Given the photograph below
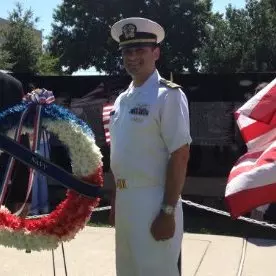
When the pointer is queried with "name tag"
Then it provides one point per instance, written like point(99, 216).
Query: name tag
point(139, 111)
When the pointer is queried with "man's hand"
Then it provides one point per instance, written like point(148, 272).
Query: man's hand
point(163, 227)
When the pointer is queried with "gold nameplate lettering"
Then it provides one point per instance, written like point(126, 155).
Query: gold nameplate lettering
point(121, 184)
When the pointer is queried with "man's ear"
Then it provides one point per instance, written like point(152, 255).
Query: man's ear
point(156, 53)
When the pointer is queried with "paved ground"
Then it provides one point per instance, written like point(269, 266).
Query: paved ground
point(92, 254)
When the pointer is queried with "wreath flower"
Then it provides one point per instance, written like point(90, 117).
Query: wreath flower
point(72, 214)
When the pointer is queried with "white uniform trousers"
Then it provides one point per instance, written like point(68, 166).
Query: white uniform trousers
point(137, 253)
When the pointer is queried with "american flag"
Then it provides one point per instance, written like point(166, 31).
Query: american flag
point(107, 108)
point(252, 180)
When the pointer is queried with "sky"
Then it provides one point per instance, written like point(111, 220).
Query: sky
point(44, 11)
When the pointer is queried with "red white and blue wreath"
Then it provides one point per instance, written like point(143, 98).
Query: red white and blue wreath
point(71, 215)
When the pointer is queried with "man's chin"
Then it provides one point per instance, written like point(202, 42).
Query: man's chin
point(133, 71)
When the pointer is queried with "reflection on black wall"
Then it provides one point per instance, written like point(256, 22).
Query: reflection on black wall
point(212, 102)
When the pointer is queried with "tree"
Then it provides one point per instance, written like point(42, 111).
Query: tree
point(226, 48)
point(263, 33)
point(81, 32)
point(4, 60)
point(48, 65)
point(21, 42)
point(243, 40)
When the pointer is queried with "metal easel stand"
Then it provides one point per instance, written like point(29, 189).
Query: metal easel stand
point(64, 261)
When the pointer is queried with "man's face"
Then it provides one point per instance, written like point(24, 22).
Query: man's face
point(140, 60)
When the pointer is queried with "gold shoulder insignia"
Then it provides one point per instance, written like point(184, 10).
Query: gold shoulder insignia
point(170, 84)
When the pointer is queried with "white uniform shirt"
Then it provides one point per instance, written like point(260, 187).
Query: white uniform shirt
point(147, 124)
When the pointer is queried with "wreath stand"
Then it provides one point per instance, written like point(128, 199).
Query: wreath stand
point(64, 261)
point(45, 149)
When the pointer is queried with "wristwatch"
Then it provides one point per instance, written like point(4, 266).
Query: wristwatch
point(168, 209)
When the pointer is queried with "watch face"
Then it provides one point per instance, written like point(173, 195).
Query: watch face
point(168, 210)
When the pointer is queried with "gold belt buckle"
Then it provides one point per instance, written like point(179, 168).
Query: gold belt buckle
point(121, 184)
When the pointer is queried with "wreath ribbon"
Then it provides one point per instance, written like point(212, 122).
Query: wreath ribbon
point(49, 169)
point(11, 160)
point(38, 98)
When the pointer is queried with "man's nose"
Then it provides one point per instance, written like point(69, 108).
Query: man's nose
point(132, 54)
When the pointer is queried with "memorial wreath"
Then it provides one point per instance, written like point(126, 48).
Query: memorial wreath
point(71, 215)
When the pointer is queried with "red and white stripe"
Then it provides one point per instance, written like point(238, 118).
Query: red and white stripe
point(40, 96)
point(252, 181)
point(35, 146)
point(11, 161)
point(107, 108)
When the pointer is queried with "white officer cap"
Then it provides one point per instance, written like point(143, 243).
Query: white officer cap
point(137, 31)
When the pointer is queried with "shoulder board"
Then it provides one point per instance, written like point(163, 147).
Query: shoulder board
point(169, 84)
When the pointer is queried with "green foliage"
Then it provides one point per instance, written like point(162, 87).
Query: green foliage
point(243, 40)
point(48, 65)
point(81, 32)
point(21, 41)
point(4, 60)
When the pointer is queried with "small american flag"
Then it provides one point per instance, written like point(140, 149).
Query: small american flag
point(252, 180)
point(107, 108)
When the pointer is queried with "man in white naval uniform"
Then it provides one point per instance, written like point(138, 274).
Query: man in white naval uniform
point(150, 139)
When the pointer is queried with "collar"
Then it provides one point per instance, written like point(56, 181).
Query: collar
point(152, 79)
